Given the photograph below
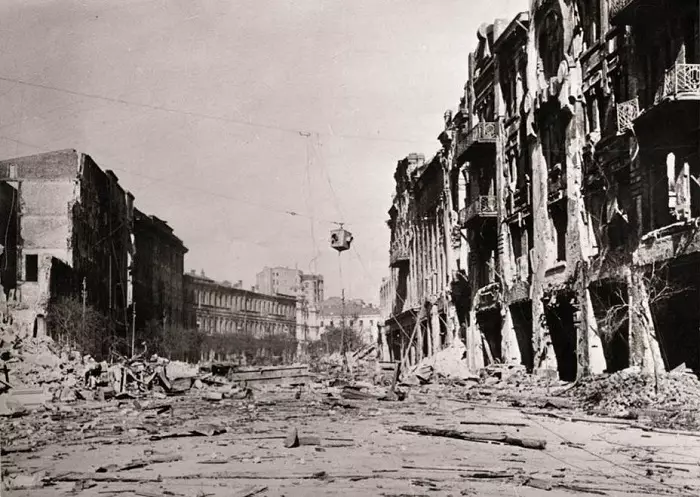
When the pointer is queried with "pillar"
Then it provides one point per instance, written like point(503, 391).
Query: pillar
point(595, 353)
point(419, 343)
point(435, 328)
point(510, 351)
point(474, 344)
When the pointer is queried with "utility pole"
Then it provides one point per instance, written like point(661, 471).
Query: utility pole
point(342, 328)
point(133, 328)
point(84, 298)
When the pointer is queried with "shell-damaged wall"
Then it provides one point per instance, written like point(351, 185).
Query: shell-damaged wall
point(70, 214)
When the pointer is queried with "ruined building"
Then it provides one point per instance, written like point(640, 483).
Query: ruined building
point(157, 275)
point(67, 232)
point(422, 314)
point(71, 230)
point(573, 162)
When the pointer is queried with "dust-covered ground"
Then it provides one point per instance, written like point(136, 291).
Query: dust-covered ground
point(188, 446)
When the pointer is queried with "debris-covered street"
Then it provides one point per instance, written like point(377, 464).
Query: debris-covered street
point(335, 433)
point(353, 248)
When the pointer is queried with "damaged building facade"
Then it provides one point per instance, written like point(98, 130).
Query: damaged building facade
point(68, 229)
point(72, 231)
point(422, 315)
point(157, 276)
point(227, 313)
point(573, 165)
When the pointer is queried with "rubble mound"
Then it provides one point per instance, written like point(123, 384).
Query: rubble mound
point(448, 364)
point(630, 390)
point(33, 362)
point(361, 365)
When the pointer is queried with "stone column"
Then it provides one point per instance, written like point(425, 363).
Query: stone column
point(435, 327)
point(544, 357)
point(475, 346)
point(510, 352)
point(419, 343)
point(596, 363)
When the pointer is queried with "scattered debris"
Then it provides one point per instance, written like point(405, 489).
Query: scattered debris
point(528, 443)
point(448, 364)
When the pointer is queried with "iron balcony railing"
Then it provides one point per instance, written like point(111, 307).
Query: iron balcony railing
point(483, 206)
point(480, 133)
point(682, 80)
point(627, 112)
point(485, 132)
point(398, 252)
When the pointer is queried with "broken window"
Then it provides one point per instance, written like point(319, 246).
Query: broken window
point(559, 219)
point(551, 44)
point(619, 200)
point(31, 267)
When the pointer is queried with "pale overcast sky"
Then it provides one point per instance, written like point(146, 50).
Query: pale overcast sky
point(370, 79)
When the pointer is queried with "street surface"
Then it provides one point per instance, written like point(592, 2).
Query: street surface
point(236, 447)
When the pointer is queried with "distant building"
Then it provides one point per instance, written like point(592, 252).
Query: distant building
point(279, 281)
point(386, 302)
point(361, 317)
point(157, 274)
point(67, 223)
point(307, 288)
point(312, 288)
point(219, 309)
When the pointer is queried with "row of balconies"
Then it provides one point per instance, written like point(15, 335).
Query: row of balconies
point(627, 12)
point(682, 81)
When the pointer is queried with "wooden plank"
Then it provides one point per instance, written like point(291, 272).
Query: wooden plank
point(268, 373)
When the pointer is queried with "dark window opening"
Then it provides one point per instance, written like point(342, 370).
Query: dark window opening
point(560, 221)
point(551, 44)
point(559, 316)
point(31, 267)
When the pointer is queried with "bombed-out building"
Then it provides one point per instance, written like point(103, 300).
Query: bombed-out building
point(574, 166)
point(67, 225)
point(422, 315)
point(157, 275)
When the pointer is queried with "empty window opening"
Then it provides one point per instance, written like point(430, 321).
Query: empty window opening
point(672, 294)
point(443, 331)
point(521, 314)
point(610, 307)
point(559, 315)
point(31, 267)
point(559, 219)
point(489, 323)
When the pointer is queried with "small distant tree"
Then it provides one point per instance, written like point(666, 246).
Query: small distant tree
point(75, 327)
point(180, 343)
point(332, 341)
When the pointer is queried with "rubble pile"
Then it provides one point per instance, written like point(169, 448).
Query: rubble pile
point(31, 362)
point(674, 397)
point(362, 365)
point(35, 371)
point(448, 365)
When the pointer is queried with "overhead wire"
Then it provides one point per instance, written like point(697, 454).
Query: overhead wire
point(203, 115)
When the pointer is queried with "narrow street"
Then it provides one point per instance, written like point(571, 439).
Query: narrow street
point(238, 449)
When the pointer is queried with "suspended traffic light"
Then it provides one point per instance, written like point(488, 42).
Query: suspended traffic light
point(341, 239)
